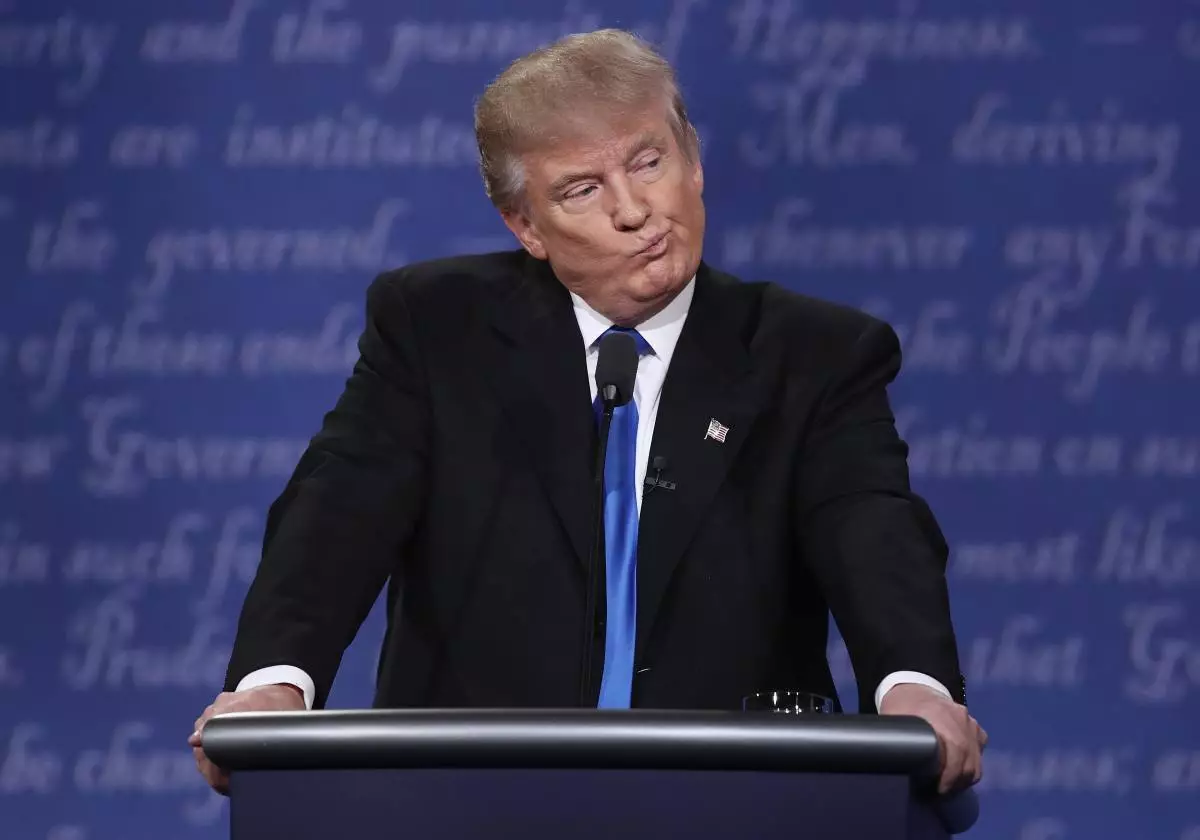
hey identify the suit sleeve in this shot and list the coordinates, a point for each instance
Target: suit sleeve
(335, 534)
(873, 544)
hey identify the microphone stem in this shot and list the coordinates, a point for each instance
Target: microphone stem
(587, 694)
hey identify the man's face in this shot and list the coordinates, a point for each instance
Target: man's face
(618, 214)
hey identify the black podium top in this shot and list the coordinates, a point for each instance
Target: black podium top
(589, 739)
(643, 739)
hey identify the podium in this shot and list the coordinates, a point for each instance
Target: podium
(582, 774)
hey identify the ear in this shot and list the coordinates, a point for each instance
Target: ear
(698, 176)
(525, 231)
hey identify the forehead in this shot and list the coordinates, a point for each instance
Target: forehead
(599, 143)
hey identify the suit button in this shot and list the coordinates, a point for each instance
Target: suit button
(641, 668)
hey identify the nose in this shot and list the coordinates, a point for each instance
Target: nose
(629, 208)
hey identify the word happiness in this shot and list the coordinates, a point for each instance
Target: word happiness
(326, 32)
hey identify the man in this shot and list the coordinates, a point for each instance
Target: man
(455, 467)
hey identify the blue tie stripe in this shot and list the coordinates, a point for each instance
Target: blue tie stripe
(620, 541)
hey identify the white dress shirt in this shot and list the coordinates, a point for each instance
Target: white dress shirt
(662, 334)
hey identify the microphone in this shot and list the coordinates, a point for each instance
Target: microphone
(659, 464)
(616, 370)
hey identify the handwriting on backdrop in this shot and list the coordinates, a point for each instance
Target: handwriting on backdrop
(316, 32)
(141, 346)
(942, 447)
(206, 554)
(1032, 652)
(78, 240)
(123, 459)
(108, 649)
(135, 759)
(1056, 828)
(1157, 545)
(1145, 237)
(1027, 652)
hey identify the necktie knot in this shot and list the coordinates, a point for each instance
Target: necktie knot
(643, 346)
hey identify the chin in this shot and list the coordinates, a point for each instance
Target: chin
(656, 281)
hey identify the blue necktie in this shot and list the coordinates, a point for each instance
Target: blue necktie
(620, 544)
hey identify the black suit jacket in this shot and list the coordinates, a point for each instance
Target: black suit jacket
(455, 468)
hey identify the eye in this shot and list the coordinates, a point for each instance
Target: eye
(581, 192)
(651, 162)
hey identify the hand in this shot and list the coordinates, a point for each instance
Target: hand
(264, 698)
(960, 737)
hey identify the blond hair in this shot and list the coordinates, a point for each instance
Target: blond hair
(561, 90)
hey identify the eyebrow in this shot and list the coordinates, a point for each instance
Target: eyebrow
(647, 140)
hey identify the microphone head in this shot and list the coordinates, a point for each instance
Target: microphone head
(616, 368)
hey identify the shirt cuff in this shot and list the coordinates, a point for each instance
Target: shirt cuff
(276, 674)
(899, 677)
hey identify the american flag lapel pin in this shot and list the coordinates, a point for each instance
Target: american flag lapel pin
(716, 431)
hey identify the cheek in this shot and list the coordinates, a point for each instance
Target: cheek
(593, 239)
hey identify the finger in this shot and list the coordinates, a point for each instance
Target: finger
(953, 771)
(217, 778)
(198, 724)
(971, 766)
(220, 781)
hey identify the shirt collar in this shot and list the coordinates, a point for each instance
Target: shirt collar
(661, 330)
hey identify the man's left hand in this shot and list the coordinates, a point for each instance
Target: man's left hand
(960, 737)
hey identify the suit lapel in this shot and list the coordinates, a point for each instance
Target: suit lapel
(539, 372)
(709, 378)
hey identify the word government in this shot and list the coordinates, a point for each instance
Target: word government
(1164, 655)
(124, 461)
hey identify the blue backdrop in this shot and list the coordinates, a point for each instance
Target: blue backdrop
(195, 195)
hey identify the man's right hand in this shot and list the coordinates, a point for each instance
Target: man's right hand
(264, 698)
